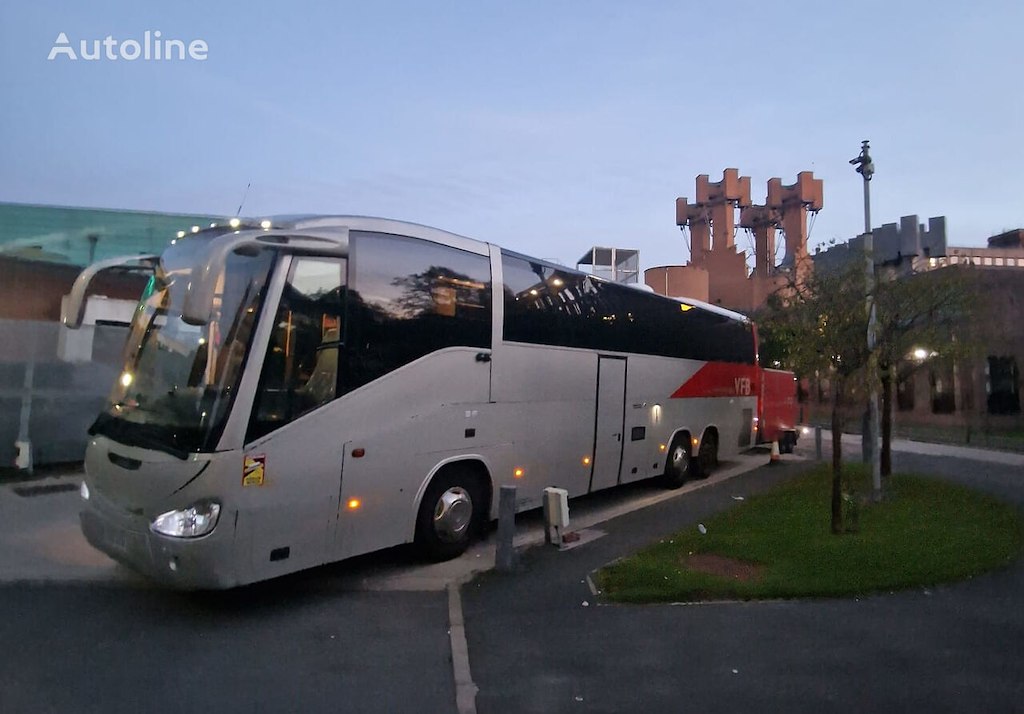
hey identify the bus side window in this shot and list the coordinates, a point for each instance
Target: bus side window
(300, 370)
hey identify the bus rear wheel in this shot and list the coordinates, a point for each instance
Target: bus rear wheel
(679, 464)
(787, 443)
(707, 455)
(449, 515)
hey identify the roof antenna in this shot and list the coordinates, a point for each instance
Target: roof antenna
(244, 196)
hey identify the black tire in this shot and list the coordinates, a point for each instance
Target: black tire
(678, 462)
(787, 443)
(451, 514)
(707, 456)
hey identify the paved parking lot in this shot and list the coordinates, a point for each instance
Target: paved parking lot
(379, 633)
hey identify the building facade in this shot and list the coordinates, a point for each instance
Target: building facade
(977, 397)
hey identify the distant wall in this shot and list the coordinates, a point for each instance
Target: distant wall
(678, 281)
(62, 398)
(32, 290)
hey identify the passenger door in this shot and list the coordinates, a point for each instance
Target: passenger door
(608, 422)
(293, 455)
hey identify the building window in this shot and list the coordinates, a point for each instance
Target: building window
(1003, 385)
(943, 396)
(905, 393)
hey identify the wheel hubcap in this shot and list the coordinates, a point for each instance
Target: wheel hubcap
(678, 457)
(452, 514)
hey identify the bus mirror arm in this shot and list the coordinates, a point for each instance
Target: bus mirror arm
(198, 306)
(73, 309)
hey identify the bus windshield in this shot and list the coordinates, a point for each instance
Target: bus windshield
(179, 380)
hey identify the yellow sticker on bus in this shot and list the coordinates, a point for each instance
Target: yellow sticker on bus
(254, 470)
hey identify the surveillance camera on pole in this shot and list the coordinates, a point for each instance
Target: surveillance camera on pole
(865, 167)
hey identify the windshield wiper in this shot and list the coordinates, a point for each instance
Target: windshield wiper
(129, 434)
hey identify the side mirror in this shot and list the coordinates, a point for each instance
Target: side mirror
(73, 310)
(198, 306)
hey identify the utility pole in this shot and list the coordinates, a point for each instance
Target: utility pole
(866, 168)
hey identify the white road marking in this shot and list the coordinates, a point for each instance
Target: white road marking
(465, 688)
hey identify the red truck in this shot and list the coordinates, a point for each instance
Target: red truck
(778, 411)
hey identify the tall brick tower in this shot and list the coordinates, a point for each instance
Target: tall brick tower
(717, 272)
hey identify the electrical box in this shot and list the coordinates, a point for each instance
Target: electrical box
(556, 514)
(23, 460)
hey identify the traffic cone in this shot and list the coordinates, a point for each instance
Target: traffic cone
(775, 457)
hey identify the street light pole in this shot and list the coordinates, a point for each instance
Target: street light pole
(866, 168)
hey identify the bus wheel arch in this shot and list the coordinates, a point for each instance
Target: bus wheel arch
(679, 460)
(454, 507)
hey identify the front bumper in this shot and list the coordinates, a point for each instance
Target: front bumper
(206, 563)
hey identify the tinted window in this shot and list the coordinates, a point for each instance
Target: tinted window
(552, 306)
(548, 305)
(409, 298)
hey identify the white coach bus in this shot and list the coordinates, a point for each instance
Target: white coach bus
(310, 389)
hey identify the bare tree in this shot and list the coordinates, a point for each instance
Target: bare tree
(928, 314)
(818, 326)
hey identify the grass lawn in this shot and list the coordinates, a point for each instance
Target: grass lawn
(780, 544)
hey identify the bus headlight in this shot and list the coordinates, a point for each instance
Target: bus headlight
(192, 522)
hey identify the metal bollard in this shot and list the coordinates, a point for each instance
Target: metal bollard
(505, 554)
(817, 443)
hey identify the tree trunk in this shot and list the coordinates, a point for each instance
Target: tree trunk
(886, 456)
(837, 460)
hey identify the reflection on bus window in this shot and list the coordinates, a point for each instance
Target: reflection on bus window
(179, 380)
(549, 305)
(409, 298)
(300, 370)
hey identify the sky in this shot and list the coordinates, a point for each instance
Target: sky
(546, 127)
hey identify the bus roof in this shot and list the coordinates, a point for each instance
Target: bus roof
(418, 230)
(713, 308)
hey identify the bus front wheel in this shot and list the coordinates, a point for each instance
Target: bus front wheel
(449, 515)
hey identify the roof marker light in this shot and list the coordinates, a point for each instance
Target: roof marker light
(265, 225)
(234, 223)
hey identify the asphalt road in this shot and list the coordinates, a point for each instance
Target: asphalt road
(535, 646)
(319, 642)
(84, 648)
